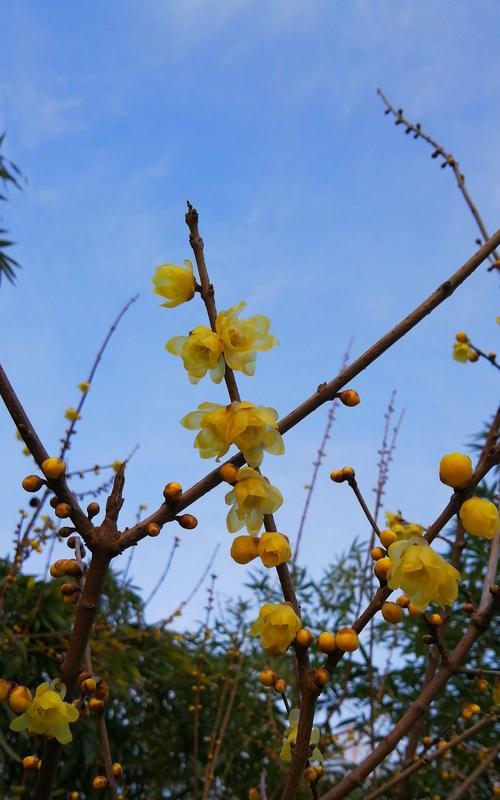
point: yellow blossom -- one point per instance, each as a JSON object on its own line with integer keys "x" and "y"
{"x": 201, "y": 352}
{"x": 251, "y": 497}
{"x": 84, "y": 386}
{"x": 462, "y": 352}
{"x": 72, "y": 414}
{"x": 251, "y": 428}
{"x": 48, "y": 713}
{"x": 241, "y": 338}
{"x": 480, "y": 517}
{"x": 276, "y": 625}
{"x": 116, "y": 465}
{"x": 274, "y": 549}
{"x": 291, "y": 738}
{"x": 175, "y": 283}
{"x": 421, "y": 573}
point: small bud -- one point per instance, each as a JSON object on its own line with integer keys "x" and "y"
{"x": 228, "y": 473}
{"x": 388, "y": 537}
{"x": 62, "y": 510}
{"x": 152, "y": 529}
{"x": 96, "y": 704}
{"x": 280, "y": 686}
{"x": 53, "y": 468}
{"x": 469, "y": 608}
{"x": 349, "y": 397}
{"x": 461, "y": 337}
{"x": 267, "y": 677}
{"x": 102, "y": 689}
{"x": 67, "y": 589}
{"x": 347, "y": 639}
{"x": 65, "y": 532}
{"x": 427, "y": 638}
{"x": 30, "y": 762}
{"x": 172, "y": 491}
{"x": 403, "y": 601}
{"x": 377, "y": 553}
{"x": 32, "y": 483}
{"x": 382, "y": 567}
{"x": 89, "y": 685}
{"x": 348, "y": 473}
{"x": 117, "y": 770}
{"x": 337, "y": 476}
{"x": 93, "y": 509}
{"x": 303, "y": 637}
{"x": 71, "y": 599}
{"x": 99, "y": 783}
{"x": 392, "y": 613}
{"x": 20, "y": 699}
{"x": 310, "y": 775}
{"x": 413, "y": 611}
{"x": 436, "y": 619}
{"x": 326, "y": 642}
{"x": 187, "y": 521}
{"x": 321, "y": 677}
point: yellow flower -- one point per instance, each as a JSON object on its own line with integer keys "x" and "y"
{"x": 251, "y": 498}
{"x": 291, "y": 738}
{"x": 201, "y": 352}
{"x": 480, "y": 517}
{"x": 175, "y": 283}
{"x": 421, "y": 573}
{"x": 84, "y": 386}
{"x": 401, "y": 527}
{"x": 116, "y": 465}
{"x": 462, "y": 352}
{"x": 274, "y": 549}
{"x": 241, "y": 338}
{"x": 251, "y": 428}
{"x": 48, "y": 713}
{"x": 277, "y": 625}
{"x": 72, "y": 414}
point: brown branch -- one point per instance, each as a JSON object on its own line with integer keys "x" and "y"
{"x": 469, "y": 782}
{"x": 325, "y": 392}
{"x": 428, "y": 757}
{"x": 447, "y": 159}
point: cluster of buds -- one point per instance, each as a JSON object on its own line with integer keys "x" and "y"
{"x": 94, "y": 694}
{"x": 68, "y": 567}
{"x": 469, "y": 710}
{"x": 341, "y": 475}
{"x": 31, "y": 763}
{"x": 269, "y": 678}
{"x": 100, "y": 782}
{"x": 313, "y": 774}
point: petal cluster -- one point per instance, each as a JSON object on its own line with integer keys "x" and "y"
{"x": 48, "y": 713}
{"x": 201, "y": 352}
{"x": 421, "y": 573}
{"x": 401, "y": 527}
{"x": 480, "y": 517}
{"x": 251, "y": 497}
{"x": 276, "y": 625}
{"x": 462, "y": 352}
{"x": 176, "y": 284}
{"x": 242, "y": 338}
{"x": 291, "y": 738}
{"x": 252, "y": 429}
{"x": 274, "y": 549}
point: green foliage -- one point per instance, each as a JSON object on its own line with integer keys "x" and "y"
{"x": 9, "y": 174}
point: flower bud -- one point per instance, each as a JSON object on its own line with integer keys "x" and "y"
{"x": 413, "y": 611}
{"x": 321, "y": 677}
{"x": 349, "y": 397}
{"x": 152, "y": 529}
{"x": 32, "y": 483}
{"x": 392, "y": 613}
{"x": 403, "y": 601}
{"x": 62, "y": 510}
{"x": 99, "y": 783}
{"x": 310, "y": 775}
{"x": 117, "y": 770}
{"x": 377, "y": 553}
{"x": 228, "y": 473}
{"x": 326, "y": 642}
{"x": 303, "y": 637}
{"x": 337, "y": 476}
{"x": 388, "y": 537}
{"x": 30, "y": 762}
{"x": 89, "y": 685}
{"x": 20, "y": 699}
{"x": 187, "y": 521}
{"x": 5, "y": 687}
{"x": 382, "y": 567}
{"x": 244, "y": 549}
{"x": 93, "y": 509}
{"x": 172, "y": 491}
{"x": 280, "y": 686}
{"x": 455, "y": 470}
{"x": 267, "y": 677}
{"x": 347, "y": 639}
{"x": 53, "y": 468}
{"x": 96, "y": 704}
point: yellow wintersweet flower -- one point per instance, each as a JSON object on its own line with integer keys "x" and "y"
{"x": 72, "y": 414}
{"x": 84, "y": 386}
{"x": 480, "y": 517}
{"x": 241, "y": 338}
{"x": 201, "y": 352}
{"x": 421, "y": 573}
{"x": 291, "y": 738}
{"x": 175, "y": 283}
{"x": 274, "y": 549}
{"x": 462, "y": 352}
{"x": 251, "y": 428}
{"x": 251, "y": 497}
{"x": 48, "y": 713}
{"x": 276, "y": 625}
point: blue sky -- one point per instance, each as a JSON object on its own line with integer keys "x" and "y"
{"x": 314, "y": 208}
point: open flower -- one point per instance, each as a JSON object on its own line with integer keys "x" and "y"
{"x": 291, "y": 738}
{"x": 480, "y": 517}
{"x": 274, "y": 549}
{"x": 276, "y": 625}
{"x": 241, "y": 338}
{"x": 48, "y": 713}
{"x": 421, "y": 573}
{"x": 201, "y": 352}
{"x": 175, "y": 283}
{"x": 251, "y": 428}
{"x": 251, "y": 497}
{"x": 462, "y": 352}
{"x": 72, "y": 414}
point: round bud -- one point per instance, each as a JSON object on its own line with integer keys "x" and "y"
{"x": 403, "y": 601}
{"x": 388, "y": 537}
{"x": 427, "y": 741}
{"x": 467, "y": 713}
{"x": 74, "y": 795}
{"x": 267, "y": 677}
{"x": 5, "y": 687}
{"x": 117, "y": 770}
{"x": 377, "y": 553}
{"x": 58, "y": 568}
{"x": 322, "y": 676}
{"x": 382, "y": 567}
{"x": 34, "y": 502}
{"x": 72, "y": 568}
{"x": 492, "y": 356}
{"x": 20, "y": 699}
{"x": 326, "y": 642}
{"x": 53, "y": 468}
{"x": 469, "y": 608}
{"x": 68, "y": 589}
{"x": 102, "y": 689}
{"x": 89, "y": 685}
{"x": 310, "y": 775}
{"x": 93, "y": 509}
{"x": 455, "y": 470}
{"x": 62, "y": 510}
{"x": 436, "y": 619}
{"x": 347, "y": 639}
{"x": 428, "y": 639}
{"x": 474, "y": 356}
{"x": 303, "y": 637}
{"x": 348, "y": 473}
{"x": 71, "y": 599}
{"x": 475, "y": 708}
{"x": 65, "y": 532}
{"x": 32, "y": 483}
{"x": 53, "y": 501}
{"x": 172, "y": 491}
{"x": 482, "y": 684}
{"x": 280, "y": 686}
{"x": 253, "y": 794}
{"x": 319, "y": 770}
{"x": 337, "y": 476}
{"x": 187, "y": 521}
{"x": 461, "y": 337}
{"x": 96, "y": 704}
{"x": 392, "y": 613}
{"x": 228, "y": 473}
{"x": 349, "y": 397}
{"x": 413, "y": 611}
{"x": 244, "y": 549}
{"x": 99, "y": 783}
{"x": 152, "y": 529}
{"x": 30, "y": 762}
